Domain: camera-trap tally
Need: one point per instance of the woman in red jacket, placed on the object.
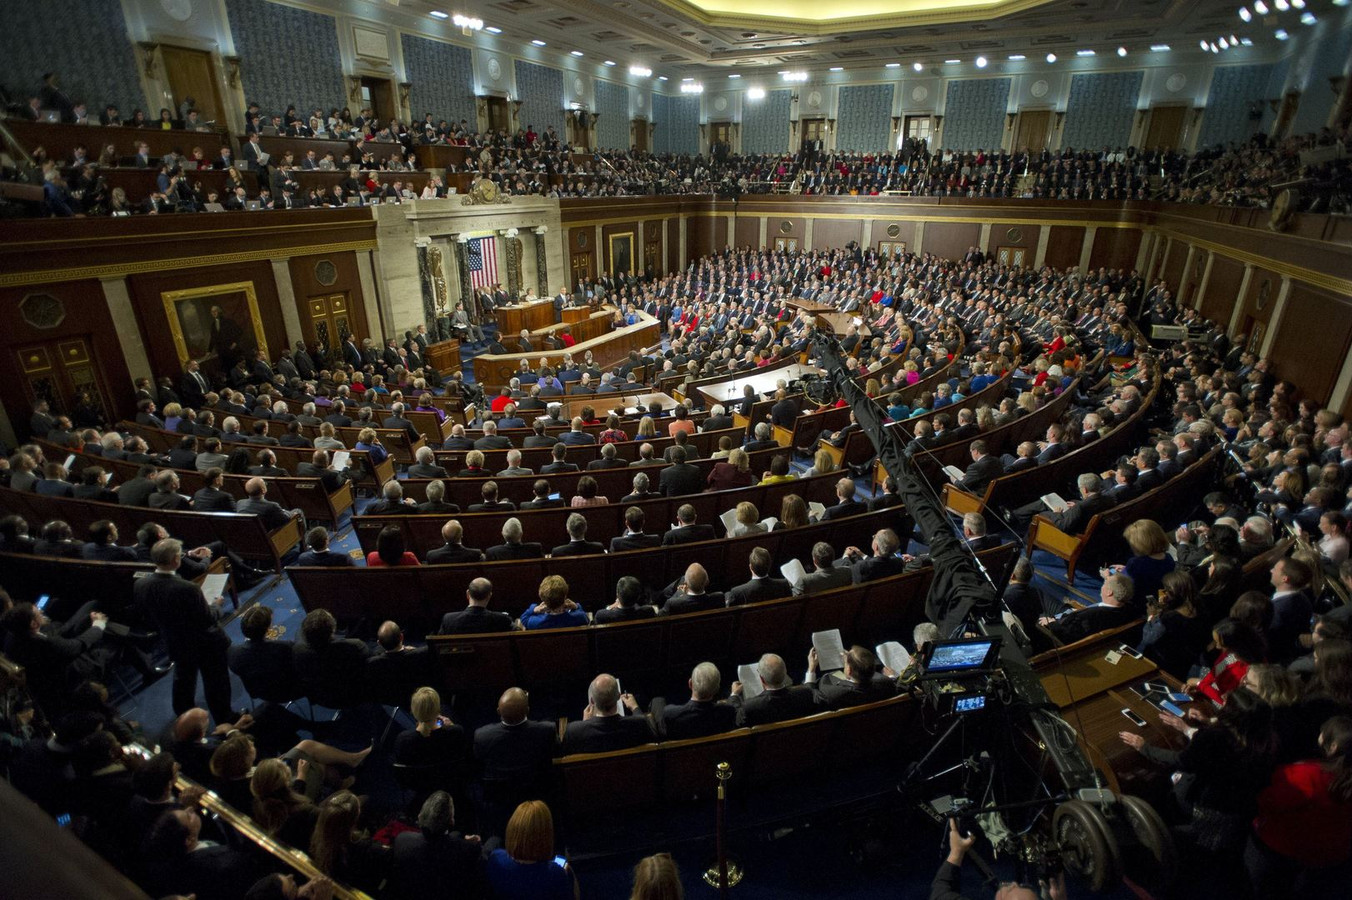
(1304, 818)
(390, 549)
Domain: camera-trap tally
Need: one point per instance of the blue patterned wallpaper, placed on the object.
(974, 113)
(442, 78)
(612, 104)
(1233, 90)
(540, 90)
(85, 42)
(287, 56)
(765, 123)
(1100, 110)
(677, 124)
(864, 117)
(1329, 61)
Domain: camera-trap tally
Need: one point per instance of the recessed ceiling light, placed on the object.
(837, 68)
(1084, 53)
(610, 62)
(641, 71)
(1160, 48)
(1341, 2)
(1297, 4)
(1225, 45)
(1214, 49)
(981, 62)
(755, 93)
(1280, 34)
(537, 42)
(1247, 42)
(439, 14)
(492, 29)
(919, 67)
(952, 62)
(1282, 5)
(1261, 8)
(575, 52)
(892, 66)
(661, 78)
(1245, 14)
(1308, 18)
(1121, 51)
(1016, 57)
(1051, 57)
(735, 75)
(688, 79)
(1204, 44)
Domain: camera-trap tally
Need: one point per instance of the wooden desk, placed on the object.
(495, 369)
(810, 306)
(279, 146)
(762, 380)
(1091, 674)
(576, 314)
(60, 140)
(838, 322)
(530, 316)
(444, 355)
(624, 404)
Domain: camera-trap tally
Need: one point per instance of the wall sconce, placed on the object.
(148, 51)
(231, 70)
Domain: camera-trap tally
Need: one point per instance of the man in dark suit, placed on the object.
(515, 756)
(558, 465)
(784, 412)
(680, 478)
(102, 544)
(491, 439)
(845, 505)
(435, 861)
(610, 459)
(136, 491)
(577, 545)
(779, 700)
(686, 530)
(212, 497)
(1076, 515)
(178, 863)
(396, 420)
(539, 438)
(56, 656)
(634, 537)
(258, 504)
(540, 499)
(318, 467)
(717, 420)
(983, 469)
(42, 421)
(267, 667)
(511, 546)
(702, 715)
(490, 502)
(1054, 447)
(761, 586)
(166, 494)
(881, 564)
(603, 728)
(476, 618)
(392, 501)
(690, 593)
(426, 466)
(331, 670)
(189, 624)
(825, 575)
(861, 680)
(318, 552)
(1113, 609)
(193, 386)
(395, 670)
(626, 608)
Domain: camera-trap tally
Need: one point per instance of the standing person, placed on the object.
(191, 630)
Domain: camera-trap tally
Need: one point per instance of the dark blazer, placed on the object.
(513, 551)
(336, 671)
(212, 500)
(1074, 519)
(837, 691)
(874, 567)
(393, 677)
(1054, 451)
(686, 603)
(436, 868)
(841, 510)
(758, 589)
(636, 542)
(267, 668)
(610, 616)
(108, 553)
(174, 501)
(679, 480)
(418, 470)
(823, 580)
(475, 620)
(176, 607)
(981, 473)
(774, 706)
(136, 492)
(519, 754)
(688, 534)
(453, 553)
(697, 718)
(274, 516)
(1090, 620)
(600, 734)
(324, 558)
(578, 548)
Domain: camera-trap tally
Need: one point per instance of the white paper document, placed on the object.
(815, 509)
(750, 679)
(340, 460)
(213, 586)
(830, 650)
(793, 571)
(1054, 502)
(954, 473)
(893, 655)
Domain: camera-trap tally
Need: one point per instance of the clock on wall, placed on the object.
(177, 9)
(494, 68)
(1039, 88)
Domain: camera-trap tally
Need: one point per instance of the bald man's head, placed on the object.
(513, 706)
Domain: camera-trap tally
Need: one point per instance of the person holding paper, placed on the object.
(189, 623)
(984, 469)
(881, 564)
(778, 698)
(861, 681)
(602, 727)
(825, 574)
(761, 586)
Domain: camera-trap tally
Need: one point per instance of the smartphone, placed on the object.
(43, 601)
(63, 820)
(624, 711)
(560, 862)
(1171, 708)
(1156, 687)
(1128, 651)
(1177, 697)
(1133, 718)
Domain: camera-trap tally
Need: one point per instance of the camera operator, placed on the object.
(947, 879)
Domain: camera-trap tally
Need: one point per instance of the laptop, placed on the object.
(252, 204)
(49, 115)
(213, 207)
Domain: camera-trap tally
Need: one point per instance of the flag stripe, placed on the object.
(483, 262)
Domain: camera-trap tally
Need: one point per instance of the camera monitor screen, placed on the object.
(960, 657)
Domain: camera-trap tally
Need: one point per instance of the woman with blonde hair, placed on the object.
(278, 808)
(435, 740)
(1149, 561)
(792, 513)
(524, 867)
(657, 878)
(367, 440)
(341, 851)
(735, 472)
(748, 520)
(647, 429)
(822, 463)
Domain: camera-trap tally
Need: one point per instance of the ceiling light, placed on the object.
(537, 42)
(892, 66)
(467, 23)
(1160, 48)
(952, 62)
(1245, 14)
(1084, 53)
(1280, 34)
(690, 78)
(1051, 57)
(793, 76)
(735, 75)
(1341, 2)
(833, 69)
(1297, 4)
(1282, 5)
(1015, 57)
(492, 29)
(661, 78)
(1121, 51)
(692, 88)
(981, 62)
(439, 14)
(1234, 41)
(1247, 42)
(1225, 45)
(641, 72)
(919, 67)
(1204, 44)
(755, 93)
(1261, 8)
(1308, 18)
(575, 52)
(1214, 48)
(610, 62)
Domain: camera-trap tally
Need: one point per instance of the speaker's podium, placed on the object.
(444, 356)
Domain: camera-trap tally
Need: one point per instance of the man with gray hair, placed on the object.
(1076, 515)
(764, 439)
(514, 466)
(717, 420)
(1113, 609)
(824, 576)
(640, 491)
(511, 546)
(392, 501)
(491, 439)
(779, 698)
(426, 466)
(604, 727)
(396, 421)
(702, 715)
(1255, 537)
(577, 545)
(423, 861)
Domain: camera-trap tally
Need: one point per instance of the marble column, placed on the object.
(118, 298)
(286, 296)
(541, 262)
(512, 246)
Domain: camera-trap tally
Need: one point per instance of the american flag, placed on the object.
(483, 262)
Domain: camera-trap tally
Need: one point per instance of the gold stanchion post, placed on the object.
(724, 873)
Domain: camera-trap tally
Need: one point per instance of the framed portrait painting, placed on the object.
(219, 323)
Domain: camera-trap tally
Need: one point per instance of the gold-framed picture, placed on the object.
(218, 321)
(621, 253)
(786, 245)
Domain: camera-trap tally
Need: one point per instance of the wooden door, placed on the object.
(1165, 131)
(331, 320)
(814, 129)
(59, 371)
(192, 73)
(1034, 127)
(498, 118)
(581, 266)
(381, 93)
(652, 255)
(1010, 256)
(720, 133)
(640, 135)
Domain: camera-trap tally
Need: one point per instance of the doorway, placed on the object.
(639, 132)
(331, 320)
(1034, 128)
(915, 129)
(378, 95)
(192, 73)
(581, 266)
(499, 118)
(59, 371)
(1011, 256)
(814, 130)
(1165, 131)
